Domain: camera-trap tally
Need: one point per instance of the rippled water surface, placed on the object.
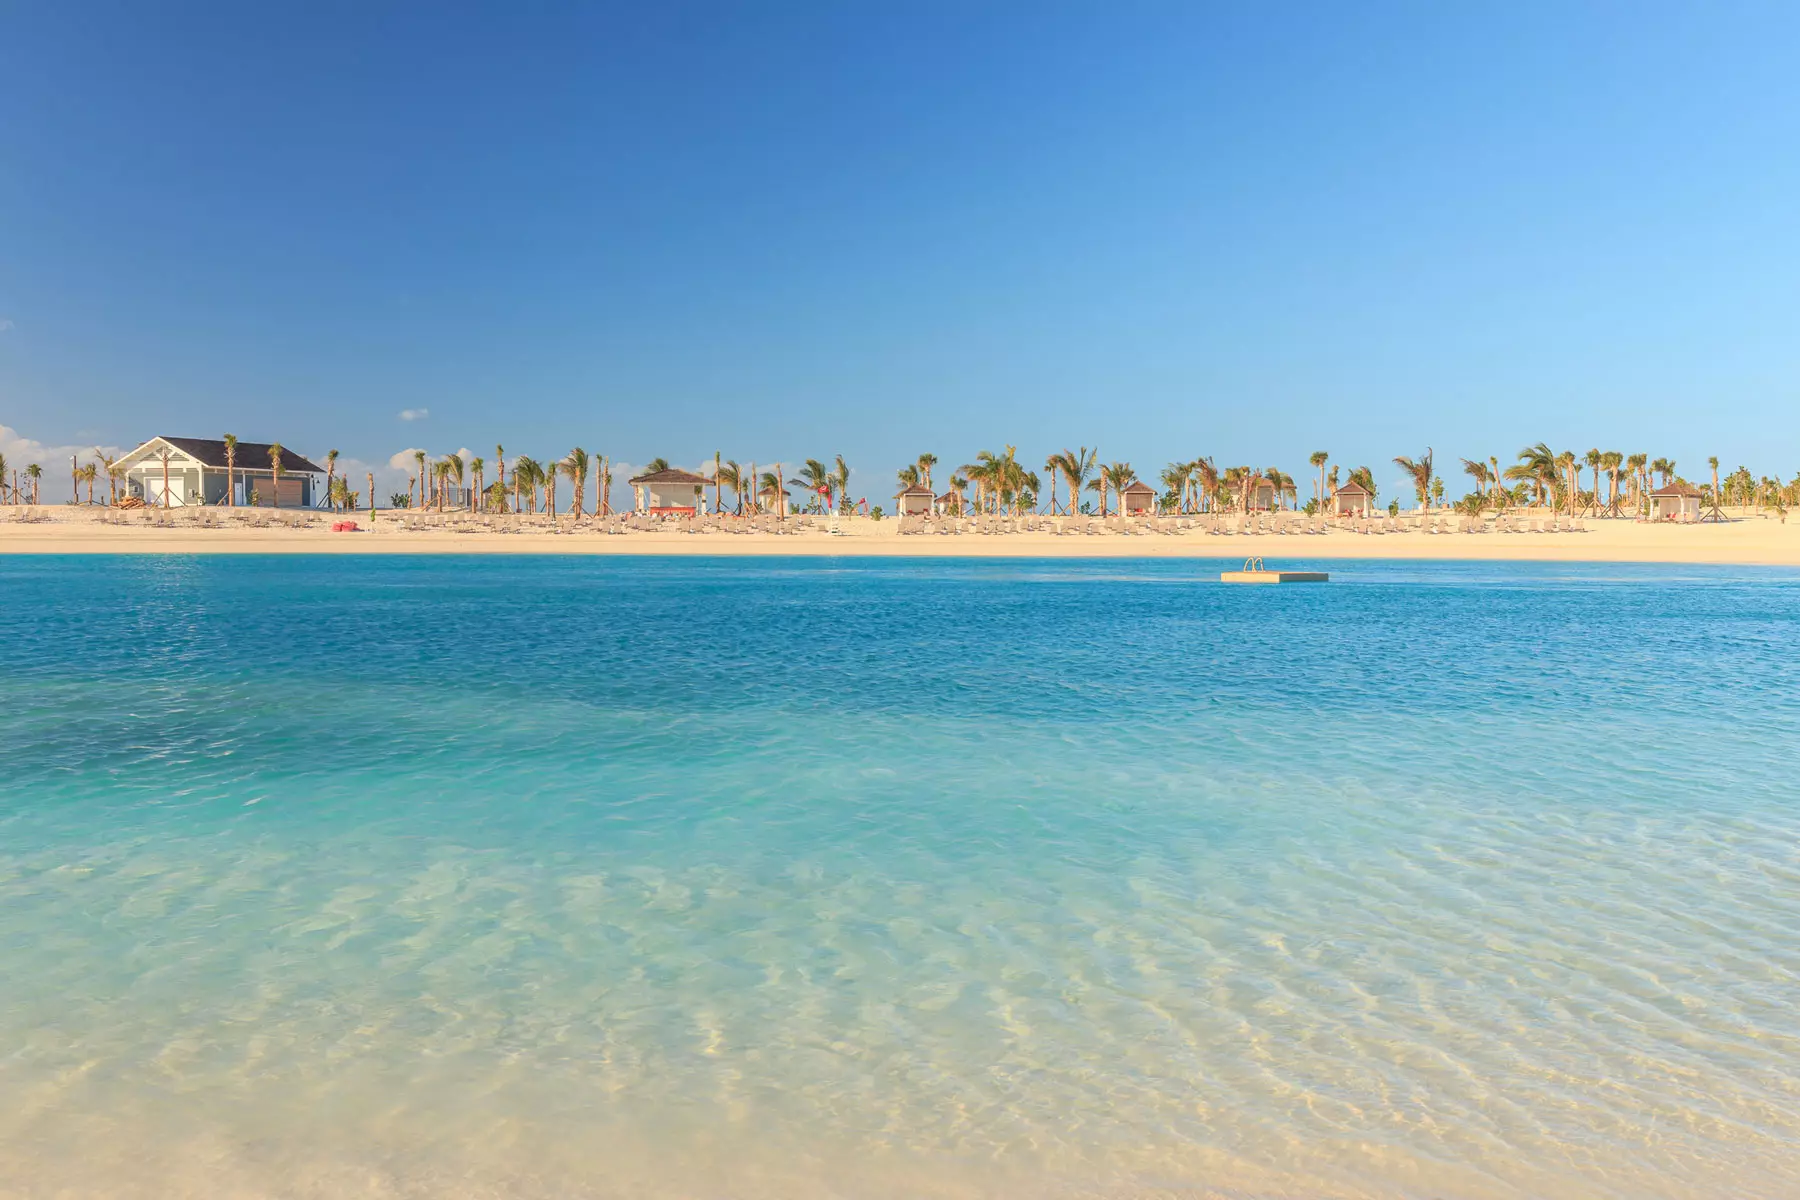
(545, 877)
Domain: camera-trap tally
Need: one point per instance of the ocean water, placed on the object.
(534, 877)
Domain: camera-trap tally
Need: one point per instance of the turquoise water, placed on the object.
(710, 877)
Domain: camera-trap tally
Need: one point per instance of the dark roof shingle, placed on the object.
(253, 456)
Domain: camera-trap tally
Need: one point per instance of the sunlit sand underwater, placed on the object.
(553, 877)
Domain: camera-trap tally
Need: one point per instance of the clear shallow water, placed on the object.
(536, 877)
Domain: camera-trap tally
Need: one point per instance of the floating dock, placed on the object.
(1255, 572)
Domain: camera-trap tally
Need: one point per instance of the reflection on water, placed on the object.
(450, 877)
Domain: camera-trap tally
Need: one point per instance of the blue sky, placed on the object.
(789, 230)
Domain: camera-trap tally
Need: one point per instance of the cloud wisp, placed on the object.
(414, 414)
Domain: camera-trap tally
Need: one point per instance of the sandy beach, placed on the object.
(76, 530)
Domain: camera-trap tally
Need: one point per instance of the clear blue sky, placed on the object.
(782, 230)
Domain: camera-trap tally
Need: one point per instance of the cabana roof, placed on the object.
(672, 475)
(913, 489)
(1137, 485)
(251, 456)
(1352, 488)
(1677, 489)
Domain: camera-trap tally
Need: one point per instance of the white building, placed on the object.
(1351, 500)
(184, 472)
(672, 492)
(1137, 499)
(914, 500)
(1675, 502)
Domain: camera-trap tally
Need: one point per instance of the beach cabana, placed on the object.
(914, 500)
(1137, 499)
(949, 504)
(1261, 492)
(1352, 500)
(196, 474)
(1675, 502)
(670, 493)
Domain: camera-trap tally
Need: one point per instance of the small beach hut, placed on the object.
(670, 493)
(1137, 499)
(914, 500)
(1351, 500)
(1675, 502)
(1262, 493)
(949, 504)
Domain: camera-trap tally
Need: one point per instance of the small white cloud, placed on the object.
(407, 459)
(5, 324)
(414, 414)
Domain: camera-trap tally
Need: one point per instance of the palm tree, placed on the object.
(1568, 478)
(331, 457)
(1593, 459)
(1536, 466)
(106, 466)
(455, 470)
(815, 477)
(926, 462)
(1637, 464)
(1713, 462)
(231, 470)
(1420, 470)
(1073, 466)
(575, 467)
(1209, 480)
(1477, 470)
(478, 473)
(1611, 461)
(655, 465)
(116, 474)
(1494, 474)
(1364, 477)
(732, 477)
(165, 465)
(419, 457)
(1118, 476)
(89, 473)
(1664, 467)
(1232, 485)
(1318, 459)
(769, 487)
(840, 478)
(958, 485)
(1175, 478)
(34, 473)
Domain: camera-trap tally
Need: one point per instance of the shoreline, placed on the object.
(1749, 542)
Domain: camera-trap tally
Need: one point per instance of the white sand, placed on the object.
(73, 530)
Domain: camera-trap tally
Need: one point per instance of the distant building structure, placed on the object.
(914, 500)
(1352, 500)
(669, 493)
(1137, 499)
(1675, 502)
(196, 472)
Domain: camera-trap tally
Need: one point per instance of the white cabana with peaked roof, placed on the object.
(1352, 500)
(670, 493)
(1675, 502)
(183, 472)
(913, 500)
(1137, 499)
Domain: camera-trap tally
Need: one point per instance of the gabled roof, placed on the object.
(1137, 485)
(1677, 489)
(672, 475)
(1352, 488)
(914, 489)
(251, 456)
(950, 495)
